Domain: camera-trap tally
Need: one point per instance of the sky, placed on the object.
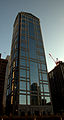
(51, 15)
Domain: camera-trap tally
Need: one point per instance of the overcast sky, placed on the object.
(51, 15)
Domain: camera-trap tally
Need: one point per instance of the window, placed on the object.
(28, 99)
(22, 73)
(41, 86)
(22, 99)
(27, 74)
(28, 87)
(46, 88)
(44, 75)
(22, 85)
(43, 66)
(47, 99)
(22, 62)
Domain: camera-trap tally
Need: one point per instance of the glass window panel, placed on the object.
(47, 99)
(34, 73)
(31, 29)
(23, 25)
(41, 86)
(22, 37)
(23, 79)
(22, 53)
(22, 73)
(43, 66)
(24, 92)
(40, 76)
(28, 86)
(22, 62)
(28, 97)
(28, 92)
(47, 94)
(28, 74)
(23, 21)
(22, 85)
(46, 88)
(44, 76)
(23, 31)
(22, 99)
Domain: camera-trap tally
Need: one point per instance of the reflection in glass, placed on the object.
(46, 88)
(34, 72)
(22, 73)
(44, 76)
(22, 85)
(28, 97)
(28, 87)
(47, 99)
(22, 99)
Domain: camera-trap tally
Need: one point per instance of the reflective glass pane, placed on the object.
(47, 99)
(22, 62)
(43, 66)
(27, 74)
(41, 87)
(28, 97)
(28, 87)
(34, 72)
(46, 88)
(22, 99)
(23, 79)
(44, 76)
(23, 92)
(22, 73)
(22, 85)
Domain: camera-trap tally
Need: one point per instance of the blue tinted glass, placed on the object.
(31, 29)
(23, 25)
(22, 62)
(22, 85)
(27, 74)
(22, 37)
(28, 97)
(34, 72)
(46, 88)
(23, 31)
(44, 76)
(22, 99)
(22, 73)
(43, 66)
(22, 53)
(23, 79)
(22, 92)
(28, 87)
(41, 87)
(32, 48)
(23, 21)
(40, 76)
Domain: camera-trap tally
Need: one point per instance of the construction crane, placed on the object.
(56, 62)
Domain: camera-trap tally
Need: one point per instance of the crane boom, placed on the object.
(56, 62)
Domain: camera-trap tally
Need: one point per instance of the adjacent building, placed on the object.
(3, 64)
(28, 88)
(56, 80)
(6, 83)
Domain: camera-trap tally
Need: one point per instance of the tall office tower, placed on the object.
(28, 90)
(56, 80)
(3, 64)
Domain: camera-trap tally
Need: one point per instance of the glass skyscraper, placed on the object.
(28, 88)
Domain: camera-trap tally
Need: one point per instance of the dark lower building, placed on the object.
(3, 63)
(56, 80)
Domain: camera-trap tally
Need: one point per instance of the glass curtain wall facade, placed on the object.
(28, 76)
